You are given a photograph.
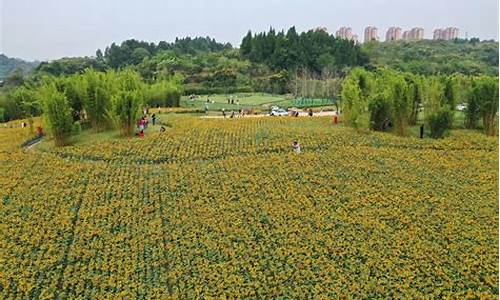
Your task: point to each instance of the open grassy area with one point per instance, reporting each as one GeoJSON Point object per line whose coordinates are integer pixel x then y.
{"type": "Point", "coordinates": [246, 100]}
{"type": "Point", "coordinates": [223, 208]}
{"type": "Point", "coordinates": [257, 100]}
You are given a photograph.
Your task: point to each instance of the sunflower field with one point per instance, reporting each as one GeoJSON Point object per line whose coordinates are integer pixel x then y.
{"type": "Point", "coordinates": [222, 208]}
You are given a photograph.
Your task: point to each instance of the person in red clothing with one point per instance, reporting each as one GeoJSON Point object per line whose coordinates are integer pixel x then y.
{"type": "Point", "coordinates": [39, 131]}
{"type": "Point", "coordinates": [141, 134]}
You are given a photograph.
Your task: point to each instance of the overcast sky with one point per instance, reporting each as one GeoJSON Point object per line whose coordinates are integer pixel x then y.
{"type": "Point", "coordinates": [50, 29]}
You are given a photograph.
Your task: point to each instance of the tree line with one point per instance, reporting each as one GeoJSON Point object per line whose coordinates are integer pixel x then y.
{"type": "Point", "coordinates": [315, 51]}
{"type": "Point", "coordinates": [428, 57]}
{"type": "Point", "coordinates": [386, 98]}
{"type": "Point", "coordinates": [130, 53]}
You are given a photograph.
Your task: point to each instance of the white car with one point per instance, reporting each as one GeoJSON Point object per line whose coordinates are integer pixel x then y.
{"type": "Point", "coordinates": [279, 112]}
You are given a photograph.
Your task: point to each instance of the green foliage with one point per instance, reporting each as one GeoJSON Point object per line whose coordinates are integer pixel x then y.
{"type": "Point", "coordinates": [484, 100]}
{"type": "Point", "coordinates": [401, 105]}
{"type": "Point", "coordinates": [355, 100]}
{"type": "Point", "coordinates": [380, 112]}
{"type": "Point", "coordinates": [77, 128]}
{"type": "Point", "coordinates": [315, 50]}
{"type": "Point", "coordinates": [19, 102]}
{"type": "Point", "coordinates": [57, 113]}
{"type": "Point", "coordinates": [69, 66]}
{"type": "Point", "coordinates": [11, 65]}
{"type": "Point", "coordinates": [440, 122]}
{"type": "Point", "coordinates": [127, 101]}
{"type": "Point", "coordinates": [383, 96]}
{"type": "Point", "coordinates": [415, 94]}
{"type": "Point", "coordinates": [127, 108]}
{"type": "Point", "coordinates": [166, 93]}
{"type": "Point", "coordinates": [133, 52]}
{"type": "Point", "coordinates": [75, 89]}
{"type": "Point", "coordinates": [97, 97]}
{"type": "Point", "coordinates": [436, 57]}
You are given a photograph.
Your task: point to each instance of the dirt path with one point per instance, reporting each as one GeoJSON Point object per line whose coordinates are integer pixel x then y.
{"type": "Point", "coordinates": [301, 114]}
{"type": "Point", "coordinates": [34, 144]}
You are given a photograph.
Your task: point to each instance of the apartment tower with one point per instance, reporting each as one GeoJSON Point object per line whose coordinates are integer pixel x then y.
{"type": "Point", "coordinates": [393, 34]}
{"type": "Point", "coordinates": [371, 34]}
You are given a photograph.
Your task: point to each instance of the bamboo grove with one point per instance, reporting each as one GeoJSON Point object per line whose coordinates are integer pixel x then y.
{"type": "Point", "coordinates": [371, 99]}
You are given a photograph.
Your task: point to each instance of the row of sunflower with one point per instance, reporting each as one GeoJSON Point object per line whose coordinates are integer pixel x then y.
{"type": "Point", "coordinates": [224, 209]}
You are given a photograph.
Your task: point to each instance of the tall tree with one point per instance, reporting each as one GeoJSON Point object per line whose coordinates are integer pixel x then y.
{"type": "Point", "coordinates": [57, 113]}
{"type": "Point", "coordinates": [246, 45]}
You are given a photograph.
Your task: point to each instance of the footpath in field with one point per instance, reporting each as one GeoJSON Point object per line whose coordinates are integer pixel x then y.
{"type": "Point", "coordinates": [301, 114]}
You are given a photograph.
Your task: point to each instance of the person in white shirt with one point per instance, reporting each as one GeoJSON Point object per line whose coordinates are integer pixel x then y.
{"type": "Point", "coordinates": [296, 146]}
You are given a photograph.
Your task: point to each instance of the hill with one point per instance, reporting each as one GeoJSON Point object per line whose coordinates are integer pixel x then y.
{"type": "Point", "coordinates": [469, 57]}
{"type": "Point", "coordinates": [9, 65]}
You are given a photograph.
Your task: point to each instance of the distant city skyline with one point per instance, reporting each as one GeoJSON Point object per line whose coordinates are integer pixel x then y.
{"type": "Point", "coordinates": [52, 29]}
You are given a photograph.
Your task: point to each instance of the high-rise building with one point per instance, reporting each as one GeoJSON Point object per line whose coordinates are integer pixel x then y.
{"type": "Point", "coordinates": [393, 34]}
{"type": "Point", "coordinates": [414, 34]}
{"type": "Point", "coordinates": [417, 33]}
{"type": "Point", "coordinates": [438, 34]}
{"type": "Point", "coordinates": [406, 35]}
{"type": "Point", "coordinates": [371, 34]}
{"type": "Point", "coordinates": [451, 33]}
{"type": "Point", "coordinates": [346, 33]}
{"type": "Point", "coordinates": [446, 34]}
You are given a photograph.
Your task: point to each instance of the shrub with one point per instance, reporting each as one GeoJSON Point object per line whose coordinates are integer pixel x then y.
{"type": "Point", "coordinates": [440, 122]}
{"type": "Point", "coordinates": [77, 128]}
{"type": "Point", "coordinates": [380, 112]}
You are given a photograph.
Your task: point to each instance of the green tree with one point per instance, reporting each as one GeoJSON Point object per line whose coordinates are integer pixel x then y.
{"type": "Point", "coordinates": [97, 98]}
{"type": "Point", "coordinates": [438, 113]}
{"type": "Point", "coordinates": [246, 45]}
{"type": "Point", "coordinates": [355, 101]}
{"type": "Point", "coordinates": [486, 91]}
{"type": "Point", "coordinates": [401, 104]}
{"type": "Point", "coordinates": [57, 113]}
{"type": "Point", "coordinates": [127, 109]}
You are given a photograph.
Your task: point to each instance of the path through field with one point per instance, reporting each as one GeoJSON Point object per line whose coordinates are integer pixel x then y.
{"type": "Point", "coordinates": [301, 114]}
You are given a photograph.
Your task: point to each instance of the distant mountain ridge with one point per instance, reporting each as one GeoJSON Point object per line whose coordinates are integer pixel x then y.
{"type": "Point", "coordinates": [9, 65]}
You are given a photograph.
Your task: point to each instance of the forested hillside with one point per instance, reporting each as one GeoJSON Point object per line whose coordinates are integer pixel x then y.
{"type": "Point", "coordinates": [469, 57]}
{"type": "Point", "coordinates": [311, 64]}
{"type": "Point", "coordinates": [9, 65]}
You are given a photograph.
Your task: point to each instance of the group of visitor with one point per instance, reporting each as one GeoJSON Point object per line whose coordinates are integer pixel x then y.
{"type": "Point", "coordinates": [232, 101]}
{"type": "Point", "coordinates": [241, 113]}
{"type": "Point", "coordinates": [143, 122]}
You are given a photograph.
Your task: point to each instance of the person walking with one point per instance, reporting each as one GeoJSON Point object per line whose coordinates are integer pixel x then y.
{"type": "Point", "coordinates": [153, 118]}
{"type": "Point", "coordinates": [224, 113]}
{"type": "Point", "coordinates": [310, 112]}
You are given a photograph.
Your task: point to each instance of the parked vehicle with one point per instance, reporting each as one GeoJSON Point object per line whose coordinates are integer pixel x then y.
{"type": "Point", "coordinates": [279, 113]}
